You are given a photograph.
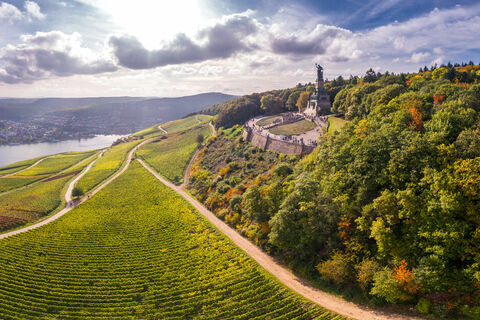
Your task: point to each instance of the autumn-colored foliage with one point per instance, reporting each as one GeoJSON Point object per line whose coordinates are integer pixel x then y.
{"type": "Point", "coordinates": [344, 229]}
{"type": "Point", "coordinates": [405, 277]}
{"type": "Point", "coordinates": [232, 192]}
{"type": "Point", "coordinates": [303, 100]}
{"type": "Point", "coordinates": [417, 122]}
{"type": "Point", "coordinates": [438, 99]}
{"type": "Point", "coordinates": [224, 171]}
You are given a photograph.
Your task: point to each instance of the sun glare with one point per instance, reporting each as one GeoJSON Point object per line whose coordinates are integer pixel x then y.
{"type": "Point", "coordinates": [155, 21]}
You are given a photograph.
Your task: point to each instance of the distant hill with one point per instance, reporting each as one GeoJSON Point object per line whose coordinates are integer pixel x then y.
{"type": "Point", "coordinates": [76, 117]}
{"type": "Point", "coordinates": [148, 107]}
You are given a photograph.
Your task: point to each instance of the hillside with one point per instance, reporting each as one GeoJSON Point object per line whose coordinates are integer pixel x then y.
{"type": "Point", "coordinates": [384, 210]}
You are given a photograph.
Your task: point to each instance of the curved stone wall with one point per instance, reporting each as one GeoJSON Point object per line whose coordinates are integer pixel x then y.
{"type": "Point", "coordinates": [269, 143]}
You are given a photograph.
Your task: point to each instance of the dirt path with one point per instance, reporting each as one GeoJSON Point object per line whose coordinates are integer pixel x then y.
{"type": "Point", "coordinates": [186, 178]}
{"type": "Point", "coordinates": [163, 130]}
{"type": "Point", "coordinates": [68, 195]}
{"type": "Point", "coordinates": [214, 131]}
{"type": "Point", "coordinates": [284, 275]}
{"type": "Point", "coordinates": [33, 165]}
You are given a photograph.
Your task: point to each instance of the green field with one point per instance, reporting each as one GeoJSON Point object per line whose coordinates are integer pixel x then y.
{"type": "Point", "coordinates": [14, 167]}
{"type": "Point", "coordinates": [335, 124]}
{"type": "Point", "coordinates": [171, 156]}
{"type": "Point", "coordinates": [267, 120]}
{"type": "Point", "coordinates": [136, 250]}
{"type": "Point", "coordinates": [294, 128]}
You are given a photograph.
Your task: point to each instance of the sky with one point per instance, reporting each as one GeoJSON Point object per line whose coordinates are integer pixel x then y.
{"type": "Point", "coordinates": [85, 48]}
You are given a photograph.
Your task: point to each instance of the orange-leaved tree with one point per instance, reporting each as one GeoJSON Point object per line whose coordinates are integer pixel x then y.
{"type": "Point", "coordinates": [405, 277]}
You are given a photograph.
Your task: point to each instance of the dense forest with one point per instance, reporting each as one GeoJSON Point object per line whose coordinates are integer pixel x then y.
{"type": "Point", "coordinates": [387, 208]}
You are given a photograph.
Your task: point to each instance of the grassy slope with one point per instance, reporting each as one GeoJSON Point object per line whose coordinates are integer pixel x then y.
{"type": "Point", "coordinates": [171, 156]}
{"type": "Point", "coordinates": [137, 250]}
{"type": "Point", "coordinates": [294, 128]}
{"type": "Point", "coordinates": [335, 124]}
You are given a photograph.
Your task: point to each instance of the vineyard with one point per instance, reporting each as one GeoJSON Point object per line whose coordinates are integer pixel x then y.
{"type": "Point", "coordinates": [106, 166]}
{"type": "Point", "coordinates": [46, 168]}
{"type": "Point", "coordinates": [174, 126]}
{"type": "Point", "coordinates": [134, 251]}
{"type": "Point", "coordinates": [36, 200]}
{"type": "Point", "coordinates": [170, 156]}
{"type": "Point", "coordinates": [29, 204]}
{"type": "Point", "coordinates": [56, 163]}
{"type": "Point", "coordinates": [186, 123]}
{"type": "Point", "coordinates": [14, 167]}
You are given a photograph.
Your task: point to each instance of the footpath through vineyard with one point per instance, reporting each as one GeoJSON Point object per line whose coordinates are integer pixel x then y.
{"type": "Point", "coordinates": [70, 204]}
{"type": "Point", "coordinates": [284, 275]}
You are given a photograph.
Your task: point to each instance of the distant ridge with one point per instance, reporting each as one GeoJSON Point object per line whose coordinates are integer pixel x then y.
{"type": "Point", "coordinates": [105, 115]}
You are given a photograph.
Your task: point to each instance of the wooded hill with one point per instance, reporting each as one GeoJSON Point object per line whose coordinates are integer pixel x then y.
{"type": "Point", "coordinates": [387, 208]}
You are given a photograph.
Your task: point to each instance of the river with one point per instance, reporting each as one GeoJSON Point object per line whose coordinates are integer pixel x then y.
{"type": "Point", "coordinates": [13, 153]}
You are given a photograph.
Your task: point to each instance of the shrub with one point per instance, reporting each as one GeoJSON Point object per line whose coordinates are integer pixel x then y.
{"type": "Point", "coordinates": [387, 287]}
{"type": "Point", "coordinates": [423, 306]}
{"type": "Point", "coordinates": [199, 139]}
{"type": "Point", "coordinates": [365, 272]}
{"type": "Point", "coordinates": [338, 269]}
{"type": "Point", "coordinates": [235, 203]}
{"type": "Point", "coordinates": [223, 188]}
{"type": "Point", "coordinates": [283, 170]}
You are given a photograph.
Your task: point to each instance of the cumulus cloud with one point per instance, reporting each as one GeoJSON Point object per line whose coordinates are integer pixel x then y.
{"type": "Point", "coordinates": [32, 11]}
{"type": "Point", "coordinates": [48, 54]}
{"type": "Point", "coordinates": [11, 13]}
{"type": "Point", "coordinates": [419, 57]}
{"type": "Point", "coordinates": [446, 28]}
{"type": "Point", "coordinates": [220, 41]}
